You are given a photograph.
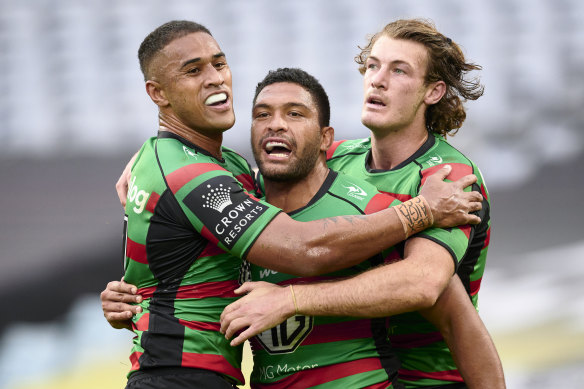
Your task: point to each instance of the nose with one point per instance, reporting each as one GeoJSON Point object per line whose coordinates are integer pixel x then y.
{"type": "Point", "coordinates": [277, 123]}
{"type": "Point", "coordinates": [378, 79]}
{"type": "Point", "coordinates": [214, 76]}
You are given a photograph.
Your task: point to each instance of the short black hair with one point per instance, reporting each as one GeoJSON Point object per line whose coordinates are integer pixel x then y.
{"type": "Point", "coordinates": [162, 36]}
{"type": "Point", "coordinates": [305, 80]}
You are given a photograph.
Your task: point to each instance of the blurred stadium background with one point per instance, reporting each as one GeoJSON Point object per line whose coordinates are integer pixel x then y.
{"type": "Point", "coordinates": [73, 110]}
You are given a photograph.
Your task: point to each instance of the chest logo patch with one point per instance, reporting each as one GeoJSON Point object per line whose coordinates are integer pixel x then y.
{"type": "Point", "coordinates": [433, 161]}
{"type": "Point", "coordinates": [356, 191]}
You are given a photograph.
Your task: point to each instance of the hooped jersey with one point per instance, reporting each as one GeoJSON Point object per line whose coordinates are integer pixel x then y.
{"type": "Point", "coordinates": [327, 352]}
{"type": "Point", "coordinates": [189, 220]}
{"type": "Point", "coordinates": [425, 358]}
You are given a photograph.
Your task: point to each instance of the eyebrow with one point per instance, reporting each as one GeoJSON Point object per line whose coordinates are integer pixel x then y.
{"type": "Point", "coordinates": [198, 59]}
{"type": "Point", "coordinates": [395, 61]}
{"type": "Point", "coordinates": [287, 105]}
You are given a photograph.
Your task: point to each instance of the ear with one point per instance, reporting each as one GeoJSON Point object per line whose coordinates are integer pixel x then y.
{"type": "Point", "coordinates": [156, 93]}
{"type": "Point", "coordinates": [327, 137]}
{"type": "Point", "coordinates": [435, 92]}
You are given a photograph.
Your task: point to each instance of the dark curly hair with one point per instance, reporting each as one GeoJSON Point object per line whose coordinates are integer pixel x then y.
{"type": "Point", "coordinates": [446, 62]}
{"type": "Point", "coordinates": [162, 36]}
{"type": "Point", "coordinates": [305, 80]}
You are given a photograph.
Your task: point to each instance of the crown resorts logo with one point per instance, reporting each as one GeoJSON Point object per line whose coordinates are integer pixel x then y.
{"type": "Point", "coordinates": [217, 198]}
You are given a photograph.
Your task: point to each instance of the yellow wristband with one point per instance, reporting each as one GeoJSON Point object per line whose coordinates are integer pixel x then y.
{"type": "Point", "coordinates": [294, 298]}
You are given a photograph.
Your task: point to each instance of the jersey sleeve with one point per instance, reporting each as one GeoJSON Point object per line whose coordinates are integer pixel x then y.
{"type": "Point", "coordinates": [217, 205]}
{"type": "Point", "coordinates": [456, 239]}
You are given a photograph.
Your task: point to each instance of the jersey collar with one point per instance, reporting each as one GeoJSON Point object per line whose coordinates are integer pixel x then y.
{"type": "Point", "coordinates": [172, 135]}
{"type": "Point", "coordinates": [421, 151]}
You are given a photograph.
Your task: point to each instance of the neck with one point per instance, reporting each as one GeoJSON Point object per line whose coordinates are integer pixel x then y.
{"type": "Point", "coordinates": [292, 195]}
{"type": "Point", "coordinates": [211, 143]}
{"type": "Point", "coordinates": [389, 149]}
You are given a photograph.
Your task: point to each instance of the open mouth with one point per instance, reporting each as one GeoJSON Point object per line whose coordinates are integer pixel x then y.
{"type": "Point", "coordinates": [277, 149]}
{"type": "Point", "coordinates": [216, 99]}
{"type": "Point", "coordinates": [375, 101]}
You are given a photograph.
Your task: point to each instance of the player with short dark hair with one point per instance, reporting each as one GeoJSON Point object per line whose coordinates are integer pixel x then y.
{"type": "Point", "coordinates": [330, 352]}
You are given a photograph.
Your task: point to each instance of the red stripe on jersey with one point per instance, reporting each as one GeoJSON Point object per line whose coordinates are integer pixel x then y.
{"type": "Point", "coordinates": [207, 234]}
{"type": "Point", "coordinates": [415, 375]}
{"type": "Point", "coordinates": [208, 289]}
{"type": "Point", "coordinates": [152, 201]}
{"type": "Point", "coordinates": [134, 359]}
{"type": "Point", "coordinates": [211, 362]}
{"type": "Point", "coordinates": [380, 385]}
{"type": "Point", "coordinates": [202, 290]}
{"type": "Point", "coordinates": [336, 332]}
{"type": "Point", "coordinates": [488, 238]}
{"type": "Point", "coordinates": [466, 229]}
{"type": "Point", "coordinates": [142, 323]}
{"type": "Point", "coordinates": [475, 286]}
{"type": "Point", "coordinates": [246, 181]}
{"type": "Point", "coordinates": [320, 375]}
{"type": "Point", "coordinates": [211, 250]}
{"type": "Point", "coordinates": [136, 251]}
{"type": "Point", "coordinates": [379, 202]}
{"type": "Point", "coordinates": [414, 340]}
{"type": "Point", "coordinates": [200, 325]}
{"type": "Point", "coordinates": [178, 178]}
{"type": "Point", "coordinates": [459, 170]}
{"type": "Point", "coordinates": [146, 293]}
{"type": "Point", "coordinates": [331, 150]}
{"type": "Point", "coordinates": [400, 197]}
{"type": "Point", "coordinates": [253, 197]}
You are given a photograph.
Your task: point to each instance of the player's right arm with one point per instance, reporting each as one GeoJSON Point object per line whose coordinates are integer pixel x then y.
{"type": "Point", "coordinates": [467, 338]}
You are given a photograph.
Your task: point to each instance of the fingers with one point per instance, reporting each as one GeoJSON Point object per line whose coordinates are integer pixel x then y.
{"type": "Point", "coordinates": [235, 326]}
{"type": "Point", "coordinates": [473, 219]}
{"type": "Point", "coordinates": [122, 183]}
{"type": "Point", "coordinates": [466, 181]}
{"type": "Point", "coordinates": [442, 173]}
{"type": "Point", "coordinates": [245, 335]}
{"type": "Point", "coordinates": [122, 190]}
{"type": "Point", "coordinates": [246, 287]}
{"type": "Point", "coordinates": [121, 287]}
{"type": "Point", "coordinates": [227, 317]}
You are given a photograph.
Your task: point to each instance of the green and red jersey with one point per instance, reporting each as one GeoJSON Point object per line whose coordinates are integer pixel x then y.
{"type": "Point", "coordinates": [425, 358]}
{"type": "Point", "coordinates": [327, 352]}
{"type": "Point", "coordinates": [190, 218]}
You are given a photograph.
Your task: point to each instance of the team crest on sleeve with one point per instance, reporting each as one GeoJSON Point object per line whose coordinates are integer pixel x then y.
{"type": "Point", "coordinates": [224, 208]}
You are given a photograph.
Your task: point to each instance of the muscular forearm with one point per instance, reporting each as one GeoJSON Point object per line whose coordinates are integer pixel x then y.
{"type": "Point", "coordinates": [412, 284]}
{"type": "Point", "coordinates": [325, 245]}
{"type": "Point", "coordinates": [469, 341]}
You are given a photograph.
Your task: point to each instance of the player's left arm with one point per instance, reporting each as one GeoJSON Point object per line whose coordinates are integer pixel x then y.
{"type": "Point", "coordinates": [465, 334]}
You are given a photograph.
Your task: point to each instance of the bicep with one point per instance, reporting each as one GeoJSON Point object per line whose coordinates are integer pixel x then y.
{"type": "Point", "coordinates": [452, 307]}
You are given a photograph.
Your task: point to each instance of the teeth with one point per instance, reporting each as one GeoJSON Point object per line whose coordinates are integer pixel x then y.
{"type": "Point", "coordinates": [270, 146]}
{"type": "Point", "coordinates": [216, 98]}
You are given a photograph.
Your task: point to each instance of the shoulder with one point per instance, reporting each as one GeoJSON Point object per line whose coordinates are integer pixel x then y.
{"type": "Point", "coordinates": [240, 168]}
{"type": "Point", "coordinates": [342, 148]}
{"type": "Point", "coordinates": [360, 194]}
{"type": "Point", "coordinates": [443, 153]}
{"type": "Point", "coordinates": [233, 157]}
